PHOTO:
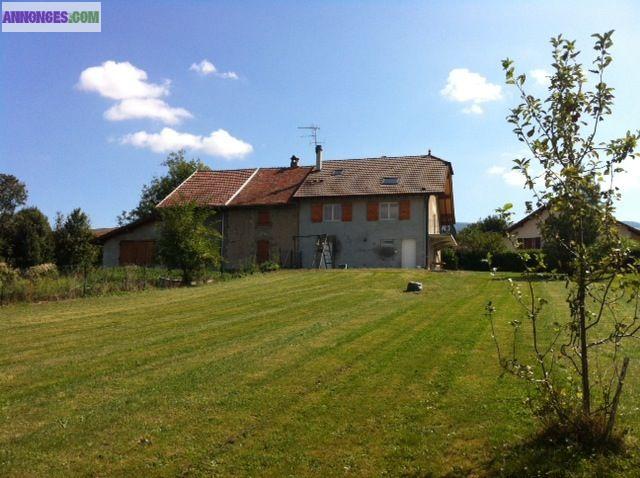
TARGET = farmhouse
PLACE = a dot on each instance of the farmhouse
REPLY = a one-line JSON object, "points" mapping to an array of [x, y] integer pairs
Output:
{"points": [[528, 235], [369, 212]]}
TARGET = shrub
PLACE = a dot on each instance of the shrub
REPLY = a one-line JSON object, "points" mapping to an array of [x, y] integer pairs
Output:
{"points": [[450, 259], [8, 276], [511, 261], [42, 270], [269, 266]]}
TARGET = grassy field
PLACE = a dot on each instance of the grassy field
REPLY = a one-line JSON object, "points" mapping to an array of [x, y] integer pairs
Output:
{"points": [[333, 373]]}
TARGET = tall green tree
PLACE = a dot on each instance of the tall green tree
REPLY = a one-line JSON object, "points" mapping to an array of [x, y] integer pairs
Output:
{"points": [[73, 238], [577, 365], [189, 240], [178, 169], [31, 238], [479, 240], [13, 193]]}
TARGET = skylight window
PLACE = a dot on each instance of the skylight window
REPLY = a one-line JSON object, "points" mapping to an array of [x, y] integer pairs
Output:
{"points": [[337, 172], [389, 181]]}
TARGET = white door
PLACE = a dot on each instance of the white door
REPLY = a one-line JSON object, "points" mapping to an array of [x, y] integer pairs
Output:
{"points": [[408, 253]]}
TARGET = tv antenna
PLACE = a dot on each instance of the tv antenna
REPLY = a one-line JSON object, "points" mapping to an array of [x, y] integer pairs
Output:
{"points": [[313, 133]]}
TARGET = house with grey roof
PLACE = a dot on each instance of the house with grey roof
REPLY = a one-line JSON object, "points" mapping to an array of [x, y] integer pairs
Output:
{"points": [[369, 212], [376, 212]]}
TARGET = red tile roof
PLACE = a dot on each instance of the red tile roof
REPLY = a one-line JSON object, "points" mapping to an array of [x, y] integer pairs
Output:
{"points": [[348, 177], [209, 188], [271, 186], [362, 177]]}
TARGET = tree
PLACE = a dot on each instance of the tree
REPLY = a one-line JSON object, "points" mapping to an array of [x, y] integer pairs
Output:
{"points": [[73, 238], [493, 223], [479, 240], [13, 193], [559, 228], [579, 364], [31, 238], [179, 169], [188, 240]]}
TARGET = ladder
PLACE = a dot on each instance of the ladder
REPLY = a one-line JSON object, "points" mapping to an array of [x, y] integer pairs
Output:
{"points": [[323, 255]]}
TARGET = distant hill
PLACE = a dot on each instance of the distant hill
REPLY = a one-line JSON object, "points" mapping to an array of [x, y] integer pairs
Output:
{"points": [[461, 225], [631, 223]]}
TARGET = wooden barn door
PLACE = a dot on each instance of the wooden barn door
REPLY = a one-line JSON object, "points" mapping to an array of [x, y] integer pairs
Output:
{"points": [[139, 253]]}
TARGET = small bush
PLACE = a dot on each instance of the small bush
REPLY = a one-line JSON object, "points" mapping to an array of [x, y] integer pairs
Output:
{"points": [[450, 259], [269, 266], [42, 270]]}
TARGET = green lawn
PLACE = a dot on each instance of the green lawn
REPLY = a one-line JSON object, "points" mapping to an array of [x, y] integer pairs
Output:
{"points": [[321, 373]]}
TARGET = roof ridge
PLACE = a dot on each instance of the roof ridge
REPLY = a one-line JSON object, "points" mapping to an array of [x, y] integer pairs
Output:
{"points": [[242, 186]]}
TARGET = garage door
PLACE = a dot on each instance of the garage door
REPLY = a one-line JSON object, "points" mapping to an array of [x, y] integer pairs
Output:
{"points": [[140, 253]]}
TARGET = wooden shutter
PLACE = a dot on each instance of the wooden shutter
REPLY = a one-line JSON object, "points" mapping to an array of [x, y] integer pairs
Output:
{"points": [[262, 253], [346, 212], [404, 210], [316, 212], [264, 217], [373, 211]]}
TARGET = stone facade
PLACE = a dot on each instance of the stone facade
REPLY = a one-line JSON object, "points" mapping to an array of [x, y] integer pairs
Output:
{"points": [[245, 227], [361, 242]]}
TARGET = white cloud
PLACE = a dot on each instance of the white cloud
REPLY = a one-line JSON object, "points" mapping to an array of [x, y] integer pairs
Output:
{"points": [[496, 171], [542, 77], [153, 108], [218, 143], [205, 68], [474, 109], [120, 81], [464, 86], [138, 98], [511, 177]]}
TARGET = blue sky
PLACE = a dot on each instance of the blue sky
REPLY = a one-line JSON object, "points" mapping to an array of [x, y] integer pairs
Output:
{"points": [[373, 75]]}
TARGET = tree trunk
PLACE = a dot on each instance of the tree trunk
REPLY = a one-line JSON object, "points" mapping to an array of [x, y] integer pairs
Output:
{"points": [[584, 359]]}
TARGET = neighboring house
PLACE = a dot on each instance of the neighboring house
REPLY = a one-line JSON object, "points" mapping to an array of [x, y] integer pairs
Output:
{"points": [[372, 212], [528, 234]]}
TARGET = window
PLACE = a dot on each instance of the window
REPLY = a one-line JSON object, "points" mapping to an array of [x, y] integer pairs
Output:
{"points": [[388, 243], [389, 181], [337, 172], [264, 218], [388, 211], [332, 212], [531, 243]]}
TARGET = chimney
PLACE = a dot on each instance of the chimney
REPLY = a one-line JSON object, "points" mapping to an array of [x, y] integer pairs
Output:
{"points": [[294, 161], [318, 157]]}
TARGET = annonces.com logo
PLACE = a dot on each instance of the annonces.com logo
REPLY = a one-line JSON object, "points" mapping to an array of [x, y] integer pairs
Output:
{"points": [[51, 17]]}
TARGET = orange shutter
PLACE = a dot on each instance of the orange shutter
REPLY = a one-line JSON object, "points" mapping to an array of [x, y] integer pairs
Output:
{"points": [[316, 212], [405, 210], [346, 212], [262, 251], [372, 211], [264, 217]]}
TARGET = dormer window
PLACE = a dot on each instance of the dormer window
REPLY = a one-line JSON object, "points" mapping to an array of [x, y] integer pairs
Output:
{"points": [[337, 172], [389, 181]]}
